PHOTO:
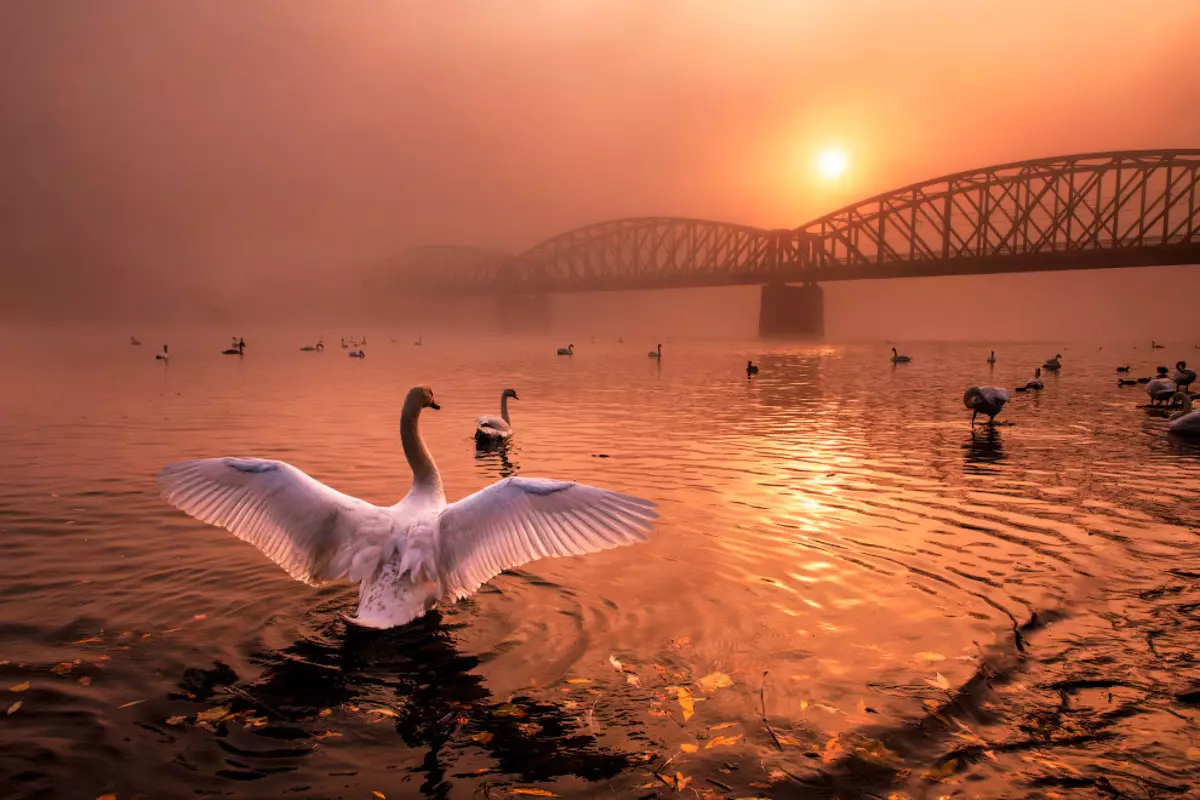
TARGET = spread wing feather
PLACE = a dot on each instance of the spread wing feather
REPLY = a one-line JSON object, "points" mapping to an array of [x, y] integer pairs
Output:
{"points": [[309, 529], [518, 520]]}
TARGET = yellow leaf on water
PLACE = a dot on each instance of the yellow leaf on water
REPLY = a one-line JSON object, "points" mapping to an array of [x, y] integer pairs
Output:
{"points": [[62, 668], [255, 722], [616, 664], [721, 741], [580, 680], [380, 795], [213, 714], [324, 712], [681, 782], [685, 702], [200, 616], [942, 771], [326, 735], [15, 707], [927, 656], [179, 720], [784, 739], [803, 704], [689, 748], [88, 640], [85, 681], [717, 680], [482, 738], [833, 750], [19, 687], [632, 680], [383, 712], [534, 792], [131, 704], [722, 726]]}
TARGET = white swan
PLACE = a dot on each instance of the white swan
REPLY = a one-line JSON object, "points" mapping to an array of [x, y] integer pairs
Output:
{"points": [[1186, 421], [163, 355], [357, 354], [408, 557], [496, 429], [899, 359], [1053, 363], [1184, 377], [1161, 389], [655, 353], [985, 400], [569, 350]]}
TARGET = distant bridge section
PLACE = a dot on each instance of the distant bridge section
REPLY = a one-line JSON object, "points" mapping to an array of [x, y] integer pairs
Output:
{"points": [[1090, 211]]}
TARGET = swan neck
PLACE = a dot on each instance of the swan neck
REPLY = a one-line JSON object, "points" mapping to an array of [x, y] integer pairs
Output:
{"points": [[504, 407], [426, 478]]}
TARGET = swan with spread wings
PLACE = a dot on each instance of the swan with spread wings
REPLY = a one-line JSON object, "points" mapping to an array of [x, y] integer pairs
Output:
{"points": [[422, 551]]}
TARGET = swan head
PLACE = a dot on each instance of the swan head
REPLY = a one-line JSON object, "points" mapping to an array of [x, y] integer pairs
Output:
{"points": [[973, 397], [510, 393], [420, 397], [1182, 365]]}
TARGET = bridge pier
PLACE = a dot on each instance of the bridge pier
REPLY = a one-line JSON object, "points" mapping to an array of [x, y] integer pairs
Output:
{"points": [[791, 312], [523, 313]]}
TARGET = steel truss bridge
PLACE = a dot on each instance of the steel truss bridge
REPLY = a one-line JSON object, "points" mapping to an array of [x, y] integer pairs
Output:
{"points": [[1089, 211]]}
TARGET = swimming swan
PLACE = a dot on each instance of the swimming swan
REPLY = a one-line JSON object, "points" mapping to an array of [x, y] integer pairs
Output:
{"points": [[1186, 421], [162, 356], [899, 359], [1052, 363], [1034, 384], [751, 369], [992, 358], [496, 429], [985, 400], [569, 350], [655, 353], [422, 551]]}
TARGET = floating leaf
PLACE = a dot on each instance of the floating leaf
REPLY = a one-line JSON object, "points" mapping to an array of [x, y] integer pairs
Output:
{"points": [[324, 712], [939, 681], [85, 681], [131, 704], [255, 722], [213, 714], [532, 791], [200, 617], [681, 782], [326, 735], [88, 640], [178, 720], [632, 680], [383, 712], [380, 795], [942, 771], [721, 741], [19, 687], [803, 704], [927, 656], [616, 664], [689, 748], [722, 726], [833, 751], [15, 707], [62, 668], [483, 738], [685, 702], [579, 680], [784, 739], [717, 680]]}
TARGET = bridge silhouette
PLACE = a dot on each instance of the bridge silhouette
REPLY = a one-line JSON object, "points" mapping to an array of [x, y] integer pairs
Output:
{"points": [[1088, 211]]}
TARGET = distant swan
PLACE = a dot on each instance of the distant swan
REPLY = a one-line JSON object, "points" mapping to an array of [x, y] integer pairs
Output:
{"points": [[985, 400], [357, 354], [162, 355], [409, 557], [1184, 377], [133, 340], [655, 353], [1034, 384], [899, 359], [236, 350], [1160, 390], [1126, 382], [319, 346], [569, 350], [1052, 363], [344, 345], [992, 358], [496, 429], [1155, 345], [418, 341], [751, 369], [1123, 369], [1186, 421]]}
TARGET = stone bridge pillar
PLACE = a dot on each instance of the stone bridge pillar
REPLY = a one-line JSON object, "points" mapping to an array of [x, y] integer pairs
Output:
{"points": [[523, 313], [791, 312]]}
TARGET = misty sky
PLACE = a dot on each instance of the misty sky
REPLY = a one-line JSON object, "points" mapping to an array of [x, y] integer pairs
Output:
{"points": [[150, 146]]}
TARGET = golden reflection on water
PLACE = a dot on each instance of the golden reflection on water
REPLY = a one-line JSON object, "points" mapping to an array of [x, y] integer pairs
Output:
{"points": [[834, 538]]}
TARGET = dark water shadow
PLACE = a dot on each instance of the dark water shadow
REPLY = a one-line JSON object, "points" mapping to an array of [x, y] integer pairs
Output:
{"points": [[412, 678], [496, 457], [985, 446]]}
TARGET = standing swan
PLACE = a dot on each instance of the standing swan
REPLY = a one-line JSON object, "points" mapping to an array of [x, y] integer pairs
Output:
{"points": [[1161, 389], [408, 557], [985, 400], [1052, 363], [162, 356], [496, 429], [899, 359], [656, 353], [569, 350], [1186, 421], [992, 358], [1184, 377]]}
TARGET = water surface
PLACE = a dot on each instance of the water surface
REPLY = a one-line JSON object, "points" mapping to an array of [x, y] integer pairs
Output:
{"points": [[916, 606]]}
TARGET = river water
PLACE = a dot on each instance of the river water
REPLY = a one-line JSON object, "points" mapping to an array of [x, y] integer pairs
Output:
{"points": [[849, 593]]}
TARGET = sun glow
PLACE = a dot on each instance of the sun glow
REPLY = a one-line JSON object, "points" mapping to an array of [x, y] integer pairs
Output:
{"points": [[831, 164]]}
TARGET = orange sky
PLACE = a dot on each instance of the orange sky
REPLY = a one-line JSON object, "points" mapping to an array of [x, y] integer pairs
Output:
{"points": [[200, 140]]}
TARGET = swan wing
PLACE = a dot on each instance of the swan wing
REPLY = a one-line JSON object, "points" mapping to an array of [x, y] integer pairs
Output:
{"points": [[496, 423], [994, 394], [518, 520], [314, 532]]}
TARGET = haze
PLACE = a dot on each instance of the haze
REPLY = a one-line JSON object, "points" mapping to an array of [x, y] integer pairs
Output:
{"points": [[228, 162]]}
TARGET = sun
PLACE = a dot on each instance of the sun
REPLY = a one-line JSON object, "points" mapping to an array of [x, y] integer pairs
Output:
{"points": [[831, 164]]}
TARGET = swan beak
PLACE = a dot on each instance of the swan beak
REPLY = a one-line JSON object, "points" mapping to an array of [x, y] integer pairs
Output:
{"points": [[435, 406]]}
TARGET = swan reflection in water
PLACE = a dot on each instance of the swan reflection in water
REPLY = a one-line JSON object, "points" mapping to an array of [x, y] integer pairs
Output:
{"points": [[493, 458], [984, 447], [413, 678]]}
